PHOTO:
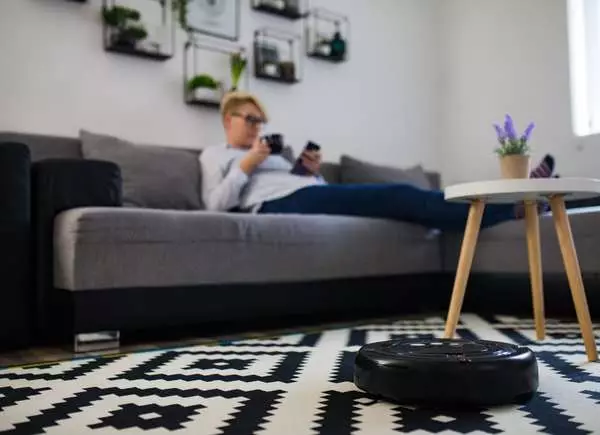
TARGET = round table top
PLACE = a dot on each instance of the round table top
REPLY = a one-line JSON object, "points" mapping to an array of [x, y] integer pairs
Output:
{"points": [[517, 190]]}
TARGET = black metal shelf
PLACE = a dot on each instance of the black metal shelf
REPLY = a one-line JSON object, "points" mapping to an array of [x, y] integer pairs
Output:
{"points": [[290, 14], [277, 56], [138, 53], [193, 48], [276, 79], [204, 103], [142, 47], [332, 59], [325, 33]]}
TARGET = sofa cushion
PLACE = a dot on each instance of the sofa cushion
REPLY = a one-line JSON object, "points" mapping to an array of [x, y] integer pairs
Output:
{"points": [[153, 176], [331, 172], [99, 248], [44, 147], [357, 171], [503, 248]]}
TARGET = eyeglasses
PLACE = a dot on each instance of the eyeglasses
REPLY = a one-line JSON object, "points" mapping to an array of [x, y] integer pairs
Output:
{"points": [[250, 120]]}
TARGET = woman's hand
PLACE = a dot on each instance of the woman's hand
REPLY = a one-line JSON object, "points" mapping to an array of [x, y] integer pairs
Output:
{"points": [[311, 160], [256, 155]]}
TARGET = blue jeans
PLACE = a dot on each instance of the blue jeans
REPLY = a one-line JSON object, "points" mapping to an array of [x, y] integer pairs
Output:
{"points": [[402, 202]]}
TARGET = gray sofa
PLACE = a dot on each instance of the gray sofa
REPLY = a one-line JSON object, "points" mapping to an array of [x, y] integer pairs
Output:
{"points": [[108, 261]]}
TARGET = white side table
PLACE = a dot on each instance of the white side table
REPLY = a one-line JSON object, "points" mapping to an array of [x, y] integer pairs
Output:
{"points": [[529, 192]]}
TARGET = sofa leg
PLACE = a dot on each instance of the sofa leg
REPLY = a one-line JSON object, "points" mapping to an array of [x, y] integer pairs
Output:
{"points": [[96, 341]]}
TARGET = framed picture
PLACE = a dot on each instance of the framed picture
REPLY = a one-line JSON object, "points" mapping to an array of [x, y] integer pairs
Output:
{"points": [[220, 18]]}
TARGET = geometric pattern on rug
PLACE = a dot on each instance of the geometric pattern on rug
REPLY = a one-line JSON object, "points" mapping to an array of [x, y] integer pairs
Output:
{"points": [[298, 383]]}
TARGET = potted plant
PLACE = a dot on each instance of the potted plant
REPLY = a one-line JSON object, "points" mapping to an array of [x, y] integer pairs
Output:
{"points": [[514, 149], [180, 8], [124, 22], [204, 87], [237, 65]]}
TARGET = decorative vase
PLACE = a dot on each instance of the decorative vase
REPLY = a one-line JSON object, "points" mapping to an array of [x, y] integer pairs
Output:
{"points": [[338, 46], [515, 166], [271, 69], [207, 94], [288, 71], [324, 48]]}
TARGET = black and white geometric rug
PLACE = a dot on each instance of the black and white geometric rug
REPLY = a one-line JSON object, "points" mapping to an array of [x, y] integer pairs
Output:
{"points": [[289, 385]]}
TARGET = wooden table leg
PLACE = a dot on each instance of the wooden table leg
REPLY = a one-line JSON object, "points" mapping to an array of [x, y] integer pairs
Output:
{"points": [[467, 252], [571, 262], [534, 253]]}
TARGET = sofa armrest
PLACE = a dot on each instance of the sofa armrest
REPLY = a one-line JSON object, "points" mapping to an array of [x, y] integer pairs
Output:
{"points": [[59, 185], [63, 184], [16, 292]]}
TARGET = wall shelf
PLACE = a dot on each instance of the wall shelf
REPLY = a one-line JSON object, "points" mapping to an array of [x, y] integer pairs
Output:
{"points": [[289, 9], [138, 53], [326, 35], [277, 56], [278, 79], [207, 65], [327, 58], [204, 103], [147, 33]]}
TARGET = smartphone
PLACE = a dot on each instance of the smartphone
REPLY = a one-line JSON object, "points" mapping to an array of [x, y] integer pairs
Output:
{"points": [[299, 168], [275, 142]]}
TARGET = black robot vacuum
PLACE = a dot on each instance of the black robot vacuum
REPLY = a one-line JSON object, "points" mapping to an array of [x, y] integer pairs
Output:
{"points": [[447, 372]]}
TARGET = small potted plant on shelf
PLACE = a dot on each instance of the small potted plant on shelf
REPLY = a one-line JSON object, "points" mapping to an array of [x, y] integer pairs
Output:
{"points": [[237, 64], [514, 149], [180, 8], [124, 21], [204, 87]]}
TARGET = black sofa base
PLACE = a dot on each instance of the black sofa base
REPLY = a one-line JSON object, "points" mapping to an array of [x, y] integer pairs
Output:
{"points": [[154, 313], [202, 308]]}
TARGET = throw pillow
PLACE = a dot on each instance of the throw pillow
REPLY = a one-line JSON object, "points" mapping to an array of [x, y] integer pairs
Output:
{"points": [[153, 177], [360, 172]]}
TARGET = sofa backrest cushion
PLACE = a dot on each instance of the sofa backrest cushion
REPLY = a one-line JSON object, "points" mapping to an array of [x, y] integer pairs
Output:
{"points": [[44, 147], [331, 172], [353, 170], [153, 176]]}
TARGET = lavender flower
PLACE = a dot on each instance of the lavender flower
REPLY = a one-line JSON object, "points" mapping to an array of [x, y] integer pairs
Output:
{"points": [[500, 133], [510, 142], [509, 128], [527, 132]]}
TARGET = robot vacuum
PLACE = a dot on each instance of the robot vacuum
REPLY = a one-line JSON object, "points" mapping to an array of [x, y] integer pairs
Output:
{"points": [[447, 372]]}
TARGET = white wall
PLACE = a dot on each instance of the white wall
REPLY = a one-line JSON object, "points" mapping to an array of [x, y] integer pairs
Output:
{"points": [[507, 56], [55, 78]]}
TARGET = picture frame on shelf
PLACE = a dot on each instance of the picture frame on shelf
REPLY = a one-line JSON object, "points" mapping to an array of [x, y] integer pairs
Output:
{"points": [[211, 69], [326, 34], [216, 18]]}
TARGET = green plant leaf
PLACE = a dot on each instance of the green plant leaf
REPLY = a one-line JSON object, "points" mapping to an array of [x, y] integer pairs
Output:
{"points": [[135, 32], [118, 16], [202, 81], [237, 64], [180, 8]]}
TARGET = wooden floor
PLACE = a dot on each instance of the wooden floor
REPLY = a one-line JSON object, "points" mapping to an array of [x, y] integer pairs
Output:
{"points": [[38, 355], [60, 353]]}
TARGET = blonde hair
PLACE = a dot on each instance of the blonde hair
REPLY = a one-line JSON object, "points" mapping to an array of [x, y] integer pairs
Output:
{"points": [[235, 99]]}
